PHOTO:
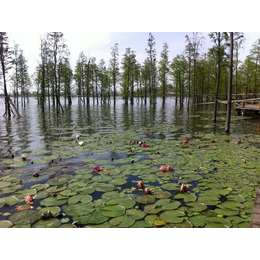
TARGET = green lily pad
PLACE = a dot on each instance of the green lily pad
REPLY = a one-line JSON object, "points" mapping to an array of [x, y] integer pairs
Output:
{"points": [[53, 201], [79, 209], [113, 211], [49, 223], [162, 194], [54, 210], [5, 224], [122, 222], [153, 209], [221, 222], [93, 218], [172, 216], [125, 202], [196, 206], [188, 197], [80, 198], [141, 224], [24, 217], [198, 221], [171, 186], [145, 199], [135, 214], [4, 184], [11, 200], [68, 193], [227, 212]]}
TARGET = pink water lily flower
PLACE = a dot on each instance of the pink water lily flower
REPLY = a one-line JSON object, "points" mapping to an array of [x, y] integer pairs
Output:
{"points": [[140, 185], [97, 168], [187, 138], [162, 169], [213, 141], [147, 191], [184, 188], [28, 199], [185, 142], [145, 145], [169, 168]]}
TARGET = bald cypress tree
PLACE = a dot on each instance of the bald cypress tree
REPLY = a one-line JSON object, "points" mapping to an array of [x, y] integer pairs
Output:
{"points": [[6, 62]]}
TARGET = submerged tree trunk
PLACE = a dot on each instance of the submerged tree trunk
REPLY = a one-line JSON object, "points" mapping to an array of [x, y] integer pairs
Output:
{"points": [[229, 98]]}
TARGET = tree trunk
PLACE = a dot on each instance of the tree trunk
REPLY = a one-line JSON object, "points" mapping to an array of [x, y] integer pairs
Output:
{"points": [[227, 126]]}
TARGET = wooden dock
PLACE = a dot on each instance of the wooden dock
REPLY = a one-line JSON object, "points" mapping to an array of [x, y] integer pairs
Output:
{"points": [[247, 106]]}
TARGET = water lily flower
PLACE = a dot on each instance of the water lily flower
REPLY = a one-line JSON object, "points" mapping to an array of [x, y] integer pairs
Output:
{"points": [[81, 143], [21, 182], [24, 156], [184, 188], [169, 168], [97, 168], [140, 185], [185, 142], [213, 141], [28, 199], [36, 174], [187, 138], [162, 169], [147, 191], [145, 145]]}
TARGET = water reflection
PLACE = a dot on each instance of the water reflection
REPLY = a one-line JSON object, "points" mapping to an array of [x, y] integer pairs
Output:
{"points": [[36, 130]]}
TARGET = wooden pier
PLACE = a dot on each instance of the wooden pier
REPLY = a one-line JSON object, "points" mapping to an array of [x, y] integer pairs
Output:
{"points": [[247, 106]]}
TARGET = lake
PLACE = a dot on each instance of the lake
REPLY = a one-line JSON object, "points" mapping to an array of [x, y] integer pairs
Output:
{"points": [[130, 143]]}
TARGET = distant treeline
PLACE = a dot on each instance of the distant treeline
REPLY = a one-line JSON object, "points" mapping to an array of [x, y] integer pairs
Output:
{"points": [[189, 74]]}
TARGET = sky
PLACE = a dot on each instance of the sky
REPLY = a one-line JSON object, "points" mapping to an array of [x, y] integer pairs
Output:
{"points": [[98, 44]]}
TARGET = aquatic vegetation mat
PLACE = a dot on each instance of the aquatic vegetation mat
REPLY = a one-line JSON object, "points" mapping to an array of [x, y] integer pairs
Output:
{"points": [[138, 178]]}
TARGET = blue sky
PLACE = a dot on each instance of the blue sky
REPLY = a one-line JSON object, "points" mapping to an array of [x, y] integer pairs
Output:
{"points": [[98, 44]]}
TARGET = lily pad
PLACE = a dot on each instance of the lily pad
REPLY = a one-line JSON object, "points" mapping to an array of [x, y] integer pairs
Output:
{"points": [[125, 202], [145, 199], [113, 211], [5, 224], [172, 216], [93, 218], [24, 217], [122, 222], [54, 210], [162, 194], [188, 197], [135, 214], [80, 198], [52, 201], [49, 223]]}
